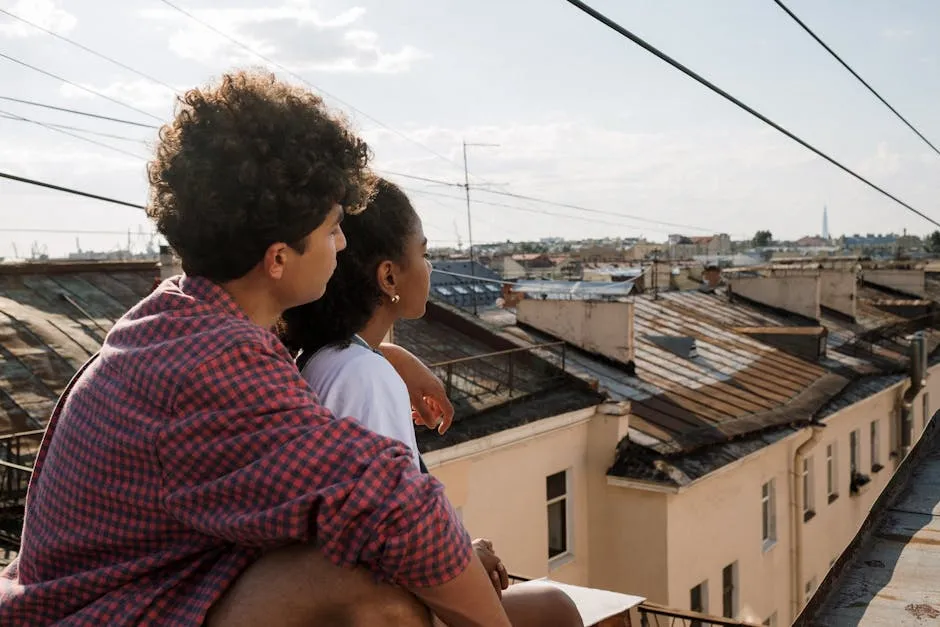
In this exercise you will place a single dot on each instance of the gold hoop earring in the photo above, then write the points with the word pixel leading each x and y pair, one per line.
pixel 395 299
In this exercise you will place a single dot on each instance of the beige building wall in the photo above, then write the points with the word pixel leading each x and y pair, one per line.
pixel 838 290
pixel 907 281
pixel 498 485
pixel 646 539
pixel 601 327
pixel 718 521
pixel 797 294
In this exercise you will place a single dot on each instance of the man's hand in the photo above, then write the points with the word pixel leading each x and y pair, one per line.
pixel 493 565
pixel 429 399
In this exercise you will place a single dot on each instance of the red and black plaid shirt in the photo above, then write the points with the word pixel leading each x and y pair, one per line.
pixel 185 450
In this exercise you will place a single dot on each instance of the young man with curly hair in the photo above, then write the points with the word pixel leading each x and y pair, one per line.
pixel 188 475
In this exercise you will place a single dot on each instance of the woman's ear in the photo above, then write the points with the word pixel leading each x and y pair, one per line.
pixel 385 277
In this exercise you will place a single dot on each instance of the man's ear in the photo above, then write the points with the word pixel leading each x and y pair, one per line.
pixel 275 257
pixel 385 277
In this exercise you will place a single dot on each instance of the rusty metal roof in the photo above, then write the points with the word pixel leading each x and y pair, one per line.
pixel 730 386
pixel 691 415
pixel 888 574
pixel 53 316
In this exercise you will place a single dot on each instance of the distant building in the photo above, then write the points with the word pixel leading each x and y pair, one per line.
pixel 687 247
pixel 451 282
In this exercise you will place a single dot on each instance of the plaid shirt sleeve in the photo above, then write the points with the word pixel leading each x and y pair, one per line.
pixel 251 457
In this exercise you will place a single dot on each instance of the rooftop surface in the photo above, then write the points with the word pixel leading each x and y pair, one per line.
pixel 888 575
pixel 53 316
pixel 693 414
pixel 493 384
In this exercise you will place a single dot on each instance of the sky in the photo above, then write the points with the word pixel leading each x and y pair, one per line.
pixel 572 112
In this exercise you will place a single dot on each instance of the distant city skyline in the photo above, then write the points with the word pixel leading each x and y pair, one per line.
pixel 581 116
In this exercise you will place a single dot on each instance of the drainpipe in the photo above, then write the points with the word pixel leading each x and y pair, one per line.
pixel 918 374
pixel 796 516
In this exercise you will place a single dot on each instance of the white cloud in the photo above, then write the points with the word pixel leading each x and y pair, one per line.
pixel 138 92
pixel 294 33
pixel 897 34
pixel 697 179
pixel 44 13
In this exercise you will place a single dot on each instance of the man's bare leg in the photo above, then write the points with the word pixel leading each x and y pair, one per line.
pixel 297 587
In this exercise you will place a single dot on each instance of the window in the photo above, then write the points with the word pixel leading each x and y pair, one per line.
pixel 768 515
pixel 854 452
pixel 729 590
pixel 698 601
pixel 875 447
pixel 771 621
pixel 832 479
pixel 808 509
pixel 556 492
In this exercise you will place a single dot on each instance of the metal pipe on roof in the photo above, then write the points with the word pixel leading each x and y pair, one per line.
pixel 918 376
pixel 796 522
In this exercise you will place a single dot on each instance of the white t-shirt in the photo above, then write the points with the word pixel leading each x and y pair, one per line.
pixel 356 382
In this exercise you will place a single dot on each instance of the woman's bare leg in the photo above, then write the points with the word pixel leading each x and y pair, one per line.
pixel 537 605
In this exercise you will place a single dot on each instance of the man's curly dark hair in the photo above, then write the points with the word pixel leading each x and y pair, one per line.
pixel 247 163
pixel 377 234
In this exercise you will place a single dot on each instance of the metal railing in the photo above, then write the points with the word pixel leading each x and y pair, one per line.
pixel 501 375
pixel 653 615
pixel 17 453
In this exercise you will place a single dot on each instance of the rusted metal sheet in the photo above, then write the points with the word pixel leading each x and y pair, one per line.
pixel 52 318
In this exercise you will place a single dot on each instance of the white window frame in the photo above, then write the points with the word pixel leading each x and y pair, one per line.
pixel 874 433
pixel 832 471
pixel 809 486
pixel 565 556
pixel 768 514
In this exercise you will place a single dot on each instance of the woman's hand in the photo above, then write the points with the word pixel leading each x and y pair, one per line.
pixel 429 399
pixel 493 565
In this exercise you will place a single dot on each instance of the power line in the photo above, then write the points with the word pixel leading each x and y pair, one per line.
pixel 266 59
pixel 853 73
pixel 420 178
pixel 544 201
pixel 16 118
pixel 600 17
pixel 54 129
pixel 33 103
pixel 89 50
pixel 523 209
pixel 68 190
pixel 77 86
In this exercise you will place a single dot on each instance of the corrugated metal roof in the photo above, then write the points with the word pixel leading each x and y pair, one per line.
pixel 693 415
pixel 52 318
pixel 732 385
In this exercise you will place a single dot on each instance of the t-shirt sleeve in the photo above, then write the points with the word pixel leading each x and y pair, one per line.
pixel 253 459
pixel 363 386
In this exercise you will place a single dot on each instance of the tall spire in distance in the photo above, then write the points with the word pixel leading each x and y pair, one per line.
pixel 825 229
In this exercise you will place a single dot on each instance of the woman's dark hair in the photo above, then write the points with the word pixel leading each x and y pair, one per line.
pixel 248 163
pixel 379 233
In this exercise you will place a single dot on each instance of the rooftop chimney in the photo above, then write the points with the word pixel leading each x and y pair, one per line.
pixel 797 294
pixel 601 327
